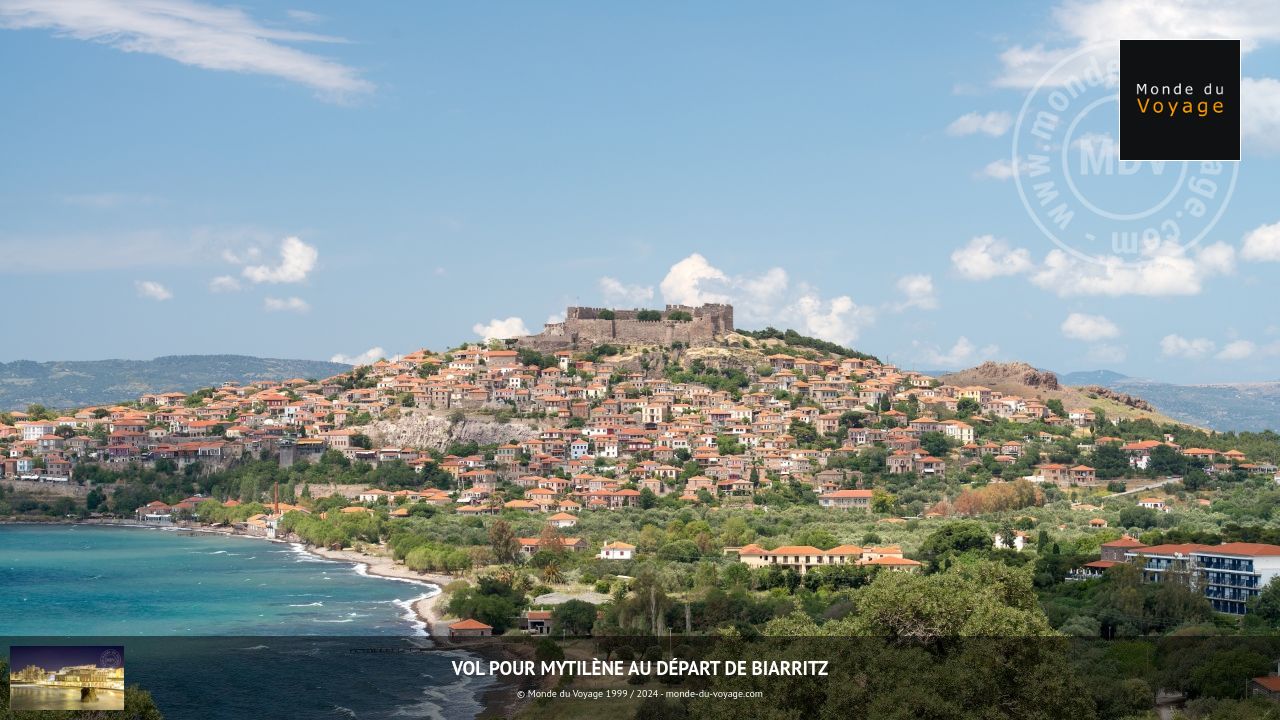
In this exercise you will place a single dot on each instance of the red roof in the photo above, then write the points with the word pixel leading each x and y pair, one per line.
pixel 1271 683
pixel 470 624
pixel 1244 548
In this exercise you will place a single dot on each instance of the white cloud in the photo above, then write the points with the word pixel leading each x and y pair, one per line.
pixel 1260 112
pixel 964 352
pixel 985 257
pixel 995 124
pixel 289 304
pixel 917 291
pixel 1262 244
pixel 367 357
pixel 838 320
pixel 192 33
pixel 694 281
pixel 684 283
pixel 1002 169
pixel 618 294
pixel 1237 350
pixel 1165 270
pixel 1217 259
pixel 224 283
pixel 769 299
pixel 297 260
pixel 555 318
pixel 1191 349
pixel 497 329
pixel 152 290
pixel 1090 328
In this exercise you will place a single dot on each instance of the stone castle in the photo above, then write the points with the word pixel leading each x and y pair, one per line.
pixel 583 327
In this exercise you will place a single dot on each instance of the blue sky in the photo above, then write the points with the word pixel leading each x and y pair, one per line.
pixel 328 179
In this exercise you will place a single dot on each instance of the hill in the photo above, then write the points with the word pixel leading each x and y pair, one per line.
pixel 1223 407
pixel 63 384
pixel 1024 380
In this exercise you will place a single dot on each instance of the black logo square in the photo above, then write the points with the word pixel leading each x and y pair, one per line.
pixel 1179 100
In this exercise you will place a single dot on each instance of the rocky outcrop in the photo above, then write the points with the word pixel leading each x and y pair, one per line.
pixel 421 429
pixel 1132 401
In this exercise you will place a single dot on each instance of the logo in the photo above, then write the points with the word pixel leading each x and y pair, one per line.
pixel 110 658
pixel 1180 99
pixel 1078 190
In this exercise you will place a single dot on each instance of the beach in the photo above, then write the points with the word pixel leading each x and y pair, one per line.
pixel 385 566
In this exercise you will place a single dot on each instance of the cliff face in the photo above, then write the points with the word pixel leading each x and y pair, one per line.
pixel 426 430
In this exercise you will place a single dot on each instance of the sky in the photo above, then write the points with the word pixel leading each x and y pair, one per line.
pixel 347 181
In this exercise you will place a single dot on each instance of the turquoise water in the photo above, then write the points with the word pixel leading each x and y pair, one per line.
pixel 217 626
pixel 88 580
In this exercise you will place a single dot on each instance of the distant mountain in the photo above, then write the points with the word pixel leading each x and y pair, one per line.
pixel 1222 407
pixel 1092 377
pixel 97 382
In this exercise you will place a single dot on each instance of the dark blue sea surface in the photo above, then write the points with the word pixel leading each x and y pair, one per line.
pixel 218 626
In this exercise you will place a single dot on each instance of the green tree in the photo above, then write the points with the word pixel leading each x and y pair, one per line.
pixel 503 540
pixel 573 617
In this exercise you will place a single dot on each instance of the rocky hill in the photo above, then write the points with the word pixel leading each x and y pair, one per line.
pixel 64 384
pixel 1021 379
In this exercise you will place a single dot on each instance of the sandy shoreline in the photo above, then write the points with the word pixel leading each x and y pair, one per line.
pixel 385 566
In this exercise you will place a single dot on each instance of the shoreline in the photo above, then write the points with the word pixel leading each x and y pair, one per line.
pixel 423 608
pixel 503 697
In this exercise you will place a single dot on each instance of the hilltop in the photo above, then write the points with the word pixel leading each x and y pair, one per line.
pixel 76 383
pixel 1021 379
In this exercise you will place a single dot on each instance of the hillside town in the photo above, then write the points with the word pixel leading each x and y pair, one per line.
pixel 605 428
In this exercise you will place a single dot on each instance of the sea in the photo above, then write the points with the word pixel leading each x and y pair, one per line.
pixel 222 626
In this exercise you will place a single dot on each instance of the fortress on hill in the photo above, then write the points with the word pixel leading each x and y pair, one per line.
pixel 585 326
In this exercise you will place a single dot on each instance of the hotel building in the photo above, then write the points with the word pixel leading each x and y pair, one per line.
pixel 1228 574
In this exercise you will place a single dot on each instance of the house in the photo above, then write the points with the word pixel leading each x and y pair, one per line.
pixel 803 558
pixel 562 520
pixel 470 628
pixel 1019 542
pixel 616 551
pixel 155 512
pixel 536 622
pixel 1154 504
pixel 846 499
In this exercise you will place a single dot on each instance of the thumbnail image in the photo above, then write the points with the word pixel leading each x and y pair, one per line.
pixel 66 677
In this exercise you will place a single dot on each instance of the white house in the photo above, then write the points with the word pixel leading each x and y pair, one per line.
pixel 617 551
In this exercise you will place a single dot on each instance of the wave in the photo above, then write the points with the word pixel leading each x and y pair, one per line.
pixel 435 698
pixel 314 604
pixel 345 711
pixel 218 552
pixel 411 616
pixel 344 620
pixel 255 647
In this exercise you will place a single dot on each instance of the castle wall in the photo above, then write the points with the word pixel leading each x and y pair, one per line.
pixel 583 327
